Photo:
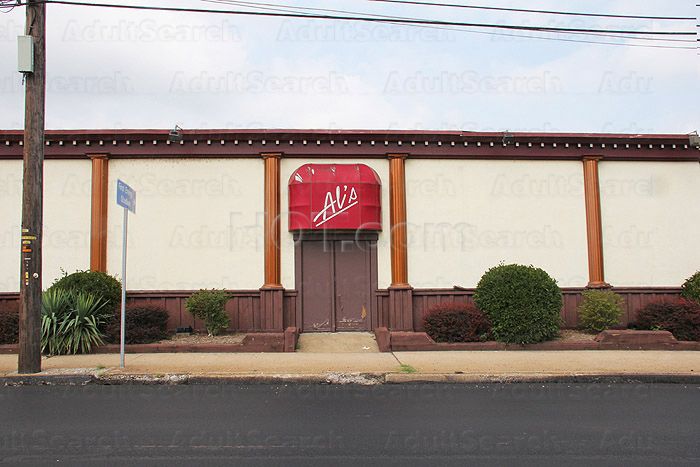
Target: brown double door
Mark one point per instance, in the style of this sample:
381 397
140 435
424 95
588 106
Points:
336 279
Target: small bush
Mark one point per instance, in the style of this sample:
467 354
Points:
99 284
690 289
681 318
600 310
523 303
208 305
456 322
71 321
9 327
143 325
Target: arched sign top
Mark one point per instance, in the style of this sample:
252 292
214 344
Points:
334 197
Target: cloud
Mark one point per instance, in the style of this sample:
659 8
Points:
120 68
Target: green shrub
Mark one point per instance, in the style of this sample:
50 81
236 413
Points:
98 284
9 327
208 306
523 303
600 310
690 289
144 324
71 321
456 322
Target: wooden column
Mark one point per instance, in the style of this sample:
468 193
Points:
397 218
400 291
272 292
596 275
98 222
272 224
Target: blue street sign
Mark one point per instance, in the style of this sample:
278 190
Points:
126 196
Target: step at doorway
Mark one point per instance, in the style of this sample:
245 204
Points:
337 342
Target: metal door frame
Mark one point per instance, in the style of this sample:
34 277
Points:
335 235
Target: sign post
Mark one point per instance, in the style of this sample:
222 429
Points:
126 198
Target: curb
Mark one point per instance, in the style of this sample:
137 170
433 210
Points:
452 378
106 379
363 379
355 379
47 380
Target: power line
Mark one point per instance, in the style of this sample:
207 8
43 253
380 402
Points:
368 19
7 6
269 6
281 7
547 12
563 39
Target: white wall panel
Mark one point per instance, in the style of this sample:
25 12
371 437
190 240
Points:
67 205
66 233
651 222
10 219
198 223
465 216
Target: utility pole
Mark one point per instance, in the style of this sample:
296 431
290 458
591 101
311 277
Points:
32 195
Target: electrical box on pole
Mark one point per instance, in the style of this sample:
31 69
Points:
25 54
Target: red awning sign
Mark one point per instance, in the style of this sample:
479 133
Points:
334 197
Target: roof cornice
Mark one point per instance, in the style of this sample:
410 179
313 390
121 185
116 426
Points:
154 143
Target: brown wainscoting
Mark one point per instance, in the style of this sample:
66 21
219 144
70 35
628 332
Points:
382 308
639 297
635 298
424 299
289 309
9 301
244 308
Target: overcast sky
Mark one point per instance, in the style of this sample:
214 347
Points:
112 68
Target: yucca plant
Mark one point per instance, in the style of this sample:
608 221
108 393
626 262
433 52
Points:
71 322
81 329
55 307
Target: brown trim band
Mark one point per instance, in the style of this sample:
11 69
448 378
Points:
272 218
98 212
150 143
594 231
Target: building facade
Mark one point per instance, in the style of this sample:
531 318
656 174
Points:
355 230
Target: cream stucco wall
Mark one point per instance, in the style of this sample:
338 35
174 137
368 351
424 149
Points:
66 236
198 223
67 186
10 219
381 166
465 216
651 222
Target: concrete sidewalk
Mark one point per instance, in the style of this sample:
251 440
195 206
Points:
452 366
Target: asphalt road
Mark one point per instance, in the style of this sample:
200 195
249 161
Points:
517 424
